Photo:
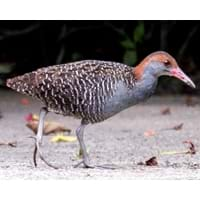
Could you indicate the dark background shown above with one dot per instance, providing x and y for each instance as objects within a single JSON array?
[{"x": 28, "y": 45}]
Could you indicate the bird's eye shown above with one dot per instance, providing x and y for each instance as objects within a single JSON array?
[{"x": 166, "y": 62}]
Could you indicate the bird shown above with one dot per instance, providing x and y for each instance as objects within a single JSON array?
[{"x": 93, "y": 91}]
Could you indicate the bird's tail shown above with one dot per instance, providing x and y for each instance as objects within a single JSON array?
[{"x": 23, "y": 84}]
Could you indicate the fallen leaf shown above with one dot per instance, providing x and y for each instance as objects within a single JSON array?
[
  {"x": 79, "y": 155},
  {"x": 173, "y": 152},
  {"x": 63, "y": 138},
  {"x": 140, "y": 163},
  {"x": 178, "y": 127},
  {"x": 49, "y": 127},
  {"x": 192, "y": 149},
  {"x": 166, "y": 111},
  {"x": 25, "y": 101},
  {"x": 189, "y": 100},
  {"x": 149, "y": 133},
  {"x": 11, "y": 144},
  {"x": 150, "y": 162},
  {"x": 32, "y": 117}
]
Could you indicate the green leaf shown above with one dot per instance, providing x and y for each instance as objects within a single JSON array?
[
  {"x": 130, "y": 57},
  {"x": 6, "y": 68},
  {"x": 139, "y": 32},
  {"x": 76, "y": 56},
  {"x": 128, "y": 44}
]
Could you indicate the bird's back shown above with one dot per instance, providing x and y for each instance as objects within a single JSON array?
[{"x": 82, "y": 89}]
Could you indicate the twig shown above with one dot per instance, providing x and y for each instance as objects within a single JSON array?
[
  {"x": 10, "y": 33},
  {"x": 176, "y": 128},
  {"x": 187, "y": 41},
  {"x": 11, "y": 144}
]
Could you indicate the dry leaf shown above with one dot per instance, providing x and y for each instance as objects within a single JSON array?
[
  {"x": 173, "y": 152},
  {"x": 192, "y": 149},
  {"x": 190, "y": 101},
  {"x": 79, "y": 155},
  {"x": 32, "y": 117},
  {"x": 166, "y": 111},
  {"x": 49, "y": 127},
  {"x": 63, "y": 138},
  {"x": 24, "y": 101},
  {"x": 178, "y": 127},
  {"x": 149, "y": 133},
  {"x": 150, "y": 162},
  {"x": 11, "y": 144}
]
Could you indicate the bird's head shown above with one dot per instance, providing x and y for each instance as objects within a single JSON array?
[{"x": 159, "y": 64}]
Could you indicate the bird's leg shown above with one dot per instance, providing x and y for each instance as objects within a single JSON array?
[
  {"x": 38, "y": 139},
  {"x": 79, "y": 134},
  {"x": 85, "y": 161}
]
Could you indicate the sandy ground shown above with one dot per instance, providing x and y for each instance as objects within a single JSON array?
[{"x": 119, "y": 141}]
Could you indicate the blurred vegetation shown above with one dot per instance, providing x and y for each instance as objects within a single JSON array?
[
  {"x": 28, "y": 45},
  {"x": 130, "y": 44}
]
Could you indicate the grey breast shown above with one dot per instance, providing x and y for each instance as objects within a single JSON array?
[{"x": 125, "y": 97}]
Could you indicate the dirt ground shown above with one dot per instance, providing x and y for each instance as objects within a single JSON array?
[{"x": 119, "y": 141}]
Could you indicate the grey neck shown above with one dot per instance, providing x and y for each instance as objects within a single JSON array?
[{"x": 147, "y": 84}]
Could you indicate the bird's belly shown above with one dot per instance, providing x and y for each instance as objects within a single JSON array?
[
  {"x": 122, "y": 99},
  {"x": 116, "y": 105}
]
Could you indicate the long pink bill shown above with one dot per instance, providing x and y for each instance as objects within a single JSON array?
[{"x": 178, "y": 73}]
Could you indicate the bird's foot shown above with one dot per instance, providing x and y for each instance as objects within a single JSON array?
[
  {"x": 108, "y": 166},
  {"x": 88, "y": 165},
  {"x": 37, "y": 150}
]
